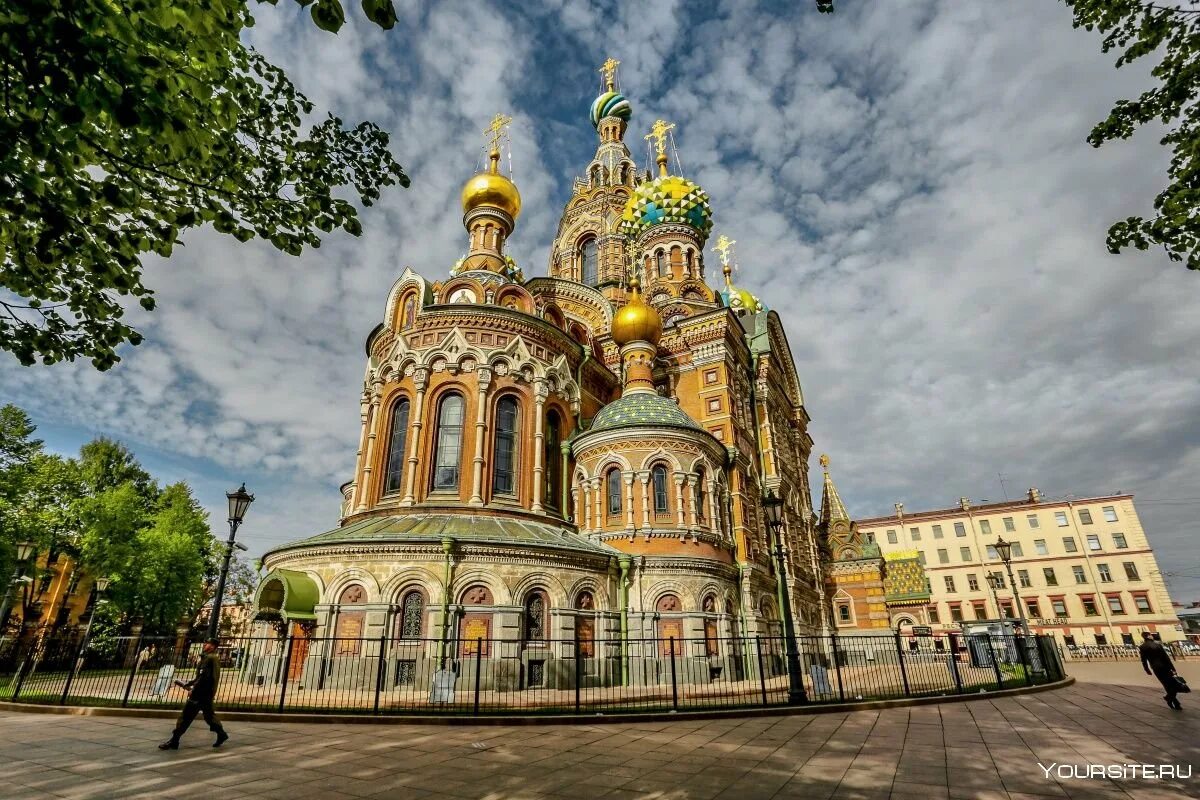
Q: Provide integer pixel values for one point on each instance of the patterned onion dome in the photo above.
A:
(642, 408)
(741, 300)
(667, 199)
(610, 104)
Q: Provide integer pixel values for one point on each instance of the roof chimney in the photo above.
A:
(1034, 495)
(899, 510)
(964, 503)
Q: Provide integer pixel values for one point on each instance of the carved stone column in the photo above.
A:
(628, 478)
(714, 520)
(415, 426)
(644, 477)
(359, 500)
(483, 378)
(690, 493)
(577, 508)
(540, 390)
(597, 483)
(679, 519)
(368, 486)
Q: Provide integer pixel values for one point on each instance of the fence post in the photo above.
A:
(903, 669)
(762, 674)
(380, 668)
(837, 665)
(578, 670)
(1025, 663)
(22, 672)
(78, 660)
(953, 656)
(995, 662)
(287, 668)
(137, 648)
(478, 670)
(674, 681)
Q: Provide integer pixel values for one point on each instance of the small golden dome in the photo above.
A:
(493, 190)
(635, 321)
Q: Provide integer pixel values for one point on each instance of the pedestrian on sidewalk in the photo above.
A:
(202, 691)
(1157, 662)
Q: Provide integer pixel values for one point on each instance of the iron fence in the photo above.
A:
(1179, 651)
(385, 675)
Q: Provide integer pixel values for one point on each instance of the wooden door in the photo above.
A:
(299, 652)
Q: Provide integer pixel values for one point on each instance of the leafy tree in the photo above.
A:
(125, 124)
(106, 464)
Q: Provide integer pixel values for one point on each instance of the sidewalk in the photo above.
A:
(983, 749)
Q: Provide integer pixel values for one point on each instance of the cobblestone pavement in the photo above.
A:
(985, 749)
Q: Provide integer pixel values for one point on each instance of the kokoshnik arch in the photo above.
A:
(576, 457)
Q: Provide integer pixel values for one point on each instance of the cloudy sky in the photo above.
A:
(909, 187)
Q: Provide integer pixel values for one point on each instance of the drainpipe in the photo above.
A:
(447, 547)
(624, 563)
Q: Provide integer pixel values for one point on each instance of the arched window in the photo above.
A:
(535, 617)
(410, 312)
(659, 476)
(349, 628)
(589, 261)
(613, 480)
(393, 479)
(700, 494)
(448, 443)
(504, 461)
(687, 262)
(412, 613)
(552, 458)
(843, 612)
(660, 264)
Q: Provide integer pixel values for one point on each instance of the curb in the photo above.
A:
(564, 719)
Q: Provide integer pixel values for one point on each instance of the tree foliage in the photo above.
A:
(125, 124)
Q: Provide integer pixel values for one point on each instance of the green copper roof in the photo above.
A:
(642, 408)
(433, 527)
(289, 594)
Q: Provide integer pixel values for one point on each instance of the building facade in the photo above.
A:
(579, 457)
(1085, 570)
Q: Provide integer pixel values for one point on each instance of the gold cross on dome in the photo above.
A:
(609, 70)
(825, 461)
(722, 247)
(495, 130)
(658, 132)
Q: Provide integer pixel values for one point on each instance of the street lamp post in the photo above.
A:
(773, 506)
(98, 588)
(24, 551)
(1004, 550)
(996, 582)
(239, 503)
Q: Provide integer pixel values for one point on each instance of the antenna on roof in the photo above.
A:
(1003, 488)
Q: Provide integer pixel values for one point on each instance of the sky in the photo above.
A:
(909, 186)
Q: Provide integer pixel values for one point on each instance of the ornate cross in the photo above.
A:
(825, 461)
(722, 247)
(495, 130)
(658, 132)
(609, 70)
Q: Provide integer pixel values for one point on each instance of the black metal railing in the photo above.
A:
(385, 675)
(1179, 651)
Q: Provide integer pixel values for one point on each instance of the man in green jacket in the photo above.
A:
(203, 690)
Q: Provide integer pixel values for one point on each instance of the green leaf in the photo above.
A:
(329, 15)
(381, 12)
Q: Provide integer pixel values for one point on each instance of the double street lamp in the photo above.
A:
(24, 552)
(773, 506)
(1004, 550)
(239, 503)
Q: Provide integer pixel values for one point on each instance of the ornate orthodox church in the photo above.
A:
(578, 457)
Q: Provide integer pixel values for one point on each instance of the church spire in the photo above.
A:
(491, 204)
(832, 508)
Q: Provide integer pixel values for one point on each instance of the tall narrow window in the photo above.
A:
(412, 607)
(552, 458)
(535, 617)
(410, 306)
(660, 264)
(614, 493)
(504, 466)
(394, 479)
(589, 262)
(449, 442)
(701, 492)
(659, 475)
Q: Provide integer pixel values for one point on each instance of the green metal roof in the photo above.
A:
(430, 527)
(289, 594)
(642, 409)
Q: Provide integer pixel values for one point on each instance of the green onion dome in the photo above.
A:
(667, 199)
(610, 104)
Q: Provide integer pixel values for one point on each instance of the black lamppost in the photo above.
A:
(239, 503)
(98, 588)
(1004, 550)
(774, 510)
(996, 582)
(24, 551)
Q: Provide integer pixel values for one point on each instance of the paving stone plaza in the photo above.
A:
(982, 749)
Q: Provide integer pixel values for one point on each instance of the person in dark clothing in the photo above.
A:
(1157, 662)
(203, 690)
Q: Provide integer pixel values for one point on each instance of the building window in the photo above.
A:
(700, 494)
(960, 529)
(949, 582)
(1008, 524)
(943, 555)
(1051, 578)
(1105, 575)
(1115, 605)
(412, 607)
(991, 552)
(892, 537)
(710, 376)
(921, 557)
(933, 614)
(1131, 571)
(1032, 606)
(1127, 639)
(998, 577)
(504, 467)
(1101, 640)
(1069, 544)
(448, 443)
(1006, 609)
(1142, 603)
(980, 610)
(937, 531)
(1093, 542)
(394, 474)
(1085, 516)
(915, 533)
(1017, 551)
(1110, 514)
(714, 404)
(1119, 541)
(659, 476)
(1039, 546)
(1023, 578)
(613, 480)
(1089, 607)
(1080, 576)
(985, 527)
(1032, 520)
(843, 612)
(973, 583)
(660, 265)
(871, 538)
(1061, 518)
(535, 617)
(956, 613)
(552, 458)
(1060, 607)
(589, 261)
(965, 552)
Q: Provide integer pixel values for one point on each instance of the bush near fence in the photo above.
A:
(386, 675)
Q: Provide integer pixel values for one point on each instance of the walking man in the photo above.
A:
(1156, 661)
(203, 689)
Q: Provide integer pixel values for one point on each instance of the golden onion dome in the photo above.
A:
(491, 190)
(635, 321)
